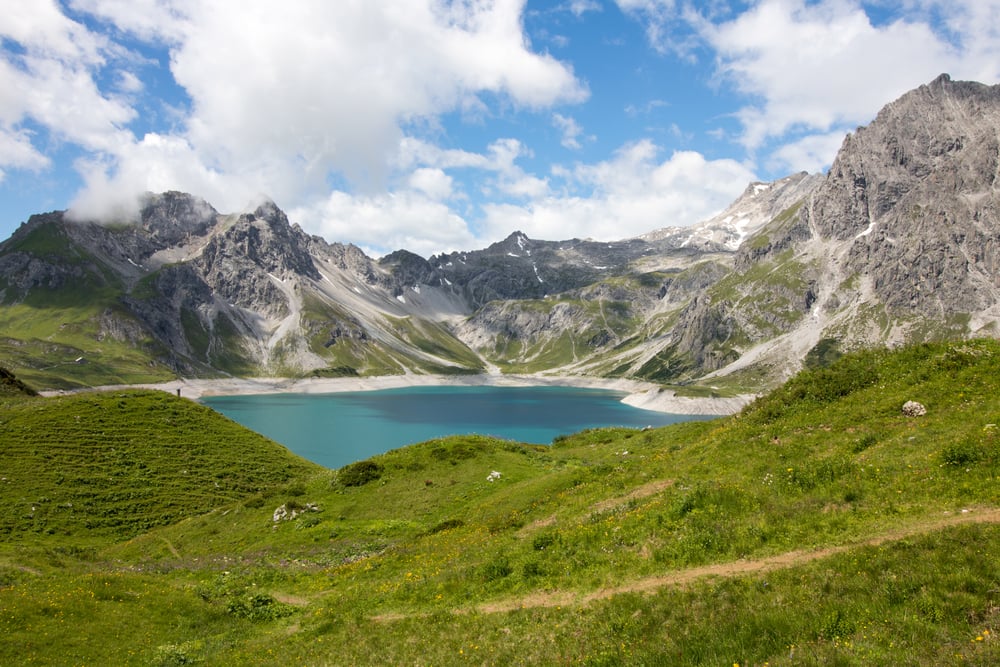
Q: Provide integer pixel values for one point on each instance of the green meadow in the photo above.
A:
(820, 526)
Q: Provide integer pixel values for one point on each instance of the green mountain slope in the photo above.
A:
(820, 526)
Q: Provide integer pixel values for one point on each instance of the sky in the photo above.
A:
(441, 125)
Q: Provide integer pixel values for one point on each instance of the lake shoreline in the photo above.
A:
(642, 395)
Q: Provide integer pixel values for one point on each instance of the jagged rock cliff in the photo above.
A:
(899, 242)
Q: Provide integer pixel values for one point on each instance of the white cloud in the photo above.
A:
(581, 7)
(812, 153)
(148, 19)
(324, 87)
(48, 83)
(657, 14)
(413, 151)
(524, 186)
(280, 98)
(129, 82)
(43, 31)
(570, 129)
(633, 192)
(155, 164)
(973, 27)
(16, 151)
(433, 182)
(821, 65)
(630, 194)
(386, 222)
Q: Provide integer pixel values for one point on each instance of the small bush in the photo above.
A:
(258, 607)
(254, 502)
(543, 542)
(532, 569)
(360, 473)
(179, 654)
(297, 489)
(963, 453)
(497, 569)
(824, 354)
(447, 524)
(837, 625)
(864, 443)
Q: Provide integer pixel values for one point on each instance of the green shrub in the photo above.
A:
(447, 524)
(297, 489)
(825, 353)
(360, 473)
(543, 542)
(864, 443)
(258, 607)
(963, 453)
(498, 568)
(837, 625)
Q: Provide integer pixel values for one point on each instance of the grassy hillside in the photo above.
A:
(114, 464)
(820, 526)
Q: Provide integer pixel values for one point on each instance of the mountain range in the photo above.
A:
(898, 242)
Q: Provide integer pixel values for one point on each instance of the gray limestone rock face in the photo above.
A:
(916, 194)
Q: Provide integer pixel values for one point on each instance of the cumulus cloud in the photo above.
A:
(155, 164)
(630, 194)
(570, 129)
(283, 98)
(381, 223)
(48, 84)
(823, 67)
(633, 192)
(434, 183)
(320, 86)
(817, 66)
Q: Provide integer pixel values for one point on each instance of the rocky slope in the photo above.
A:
(898, 242)
(204, 293)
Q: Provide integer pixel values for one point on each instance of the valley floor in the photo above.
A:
(643, 395)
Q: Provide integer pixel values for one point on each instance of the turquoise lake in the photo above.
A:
(336, 429)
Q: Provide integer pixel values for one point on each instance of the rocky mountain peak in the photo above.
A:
(266, 239)
(173, 216)
(759, 204)
(915, 197)
(516, 242)
(269, 211)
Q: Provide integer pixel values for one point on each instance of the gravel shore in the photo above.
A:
(644, 395)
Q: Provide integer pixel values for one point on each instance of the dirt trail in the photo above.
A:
(171, 547)
(734, 568)
(729, 569)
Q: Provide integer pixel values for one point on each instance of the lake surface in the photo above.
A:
(336, 429)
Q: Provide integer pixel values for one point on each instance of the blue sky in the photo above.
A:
(438, 125)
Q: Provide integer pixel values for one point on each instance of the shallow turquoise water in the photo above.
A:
(336, 429)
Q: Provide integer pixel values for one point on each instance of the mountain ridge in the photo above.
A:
(898, 242)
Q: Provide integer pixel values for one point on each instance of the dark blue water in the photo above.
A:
(336, 429)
